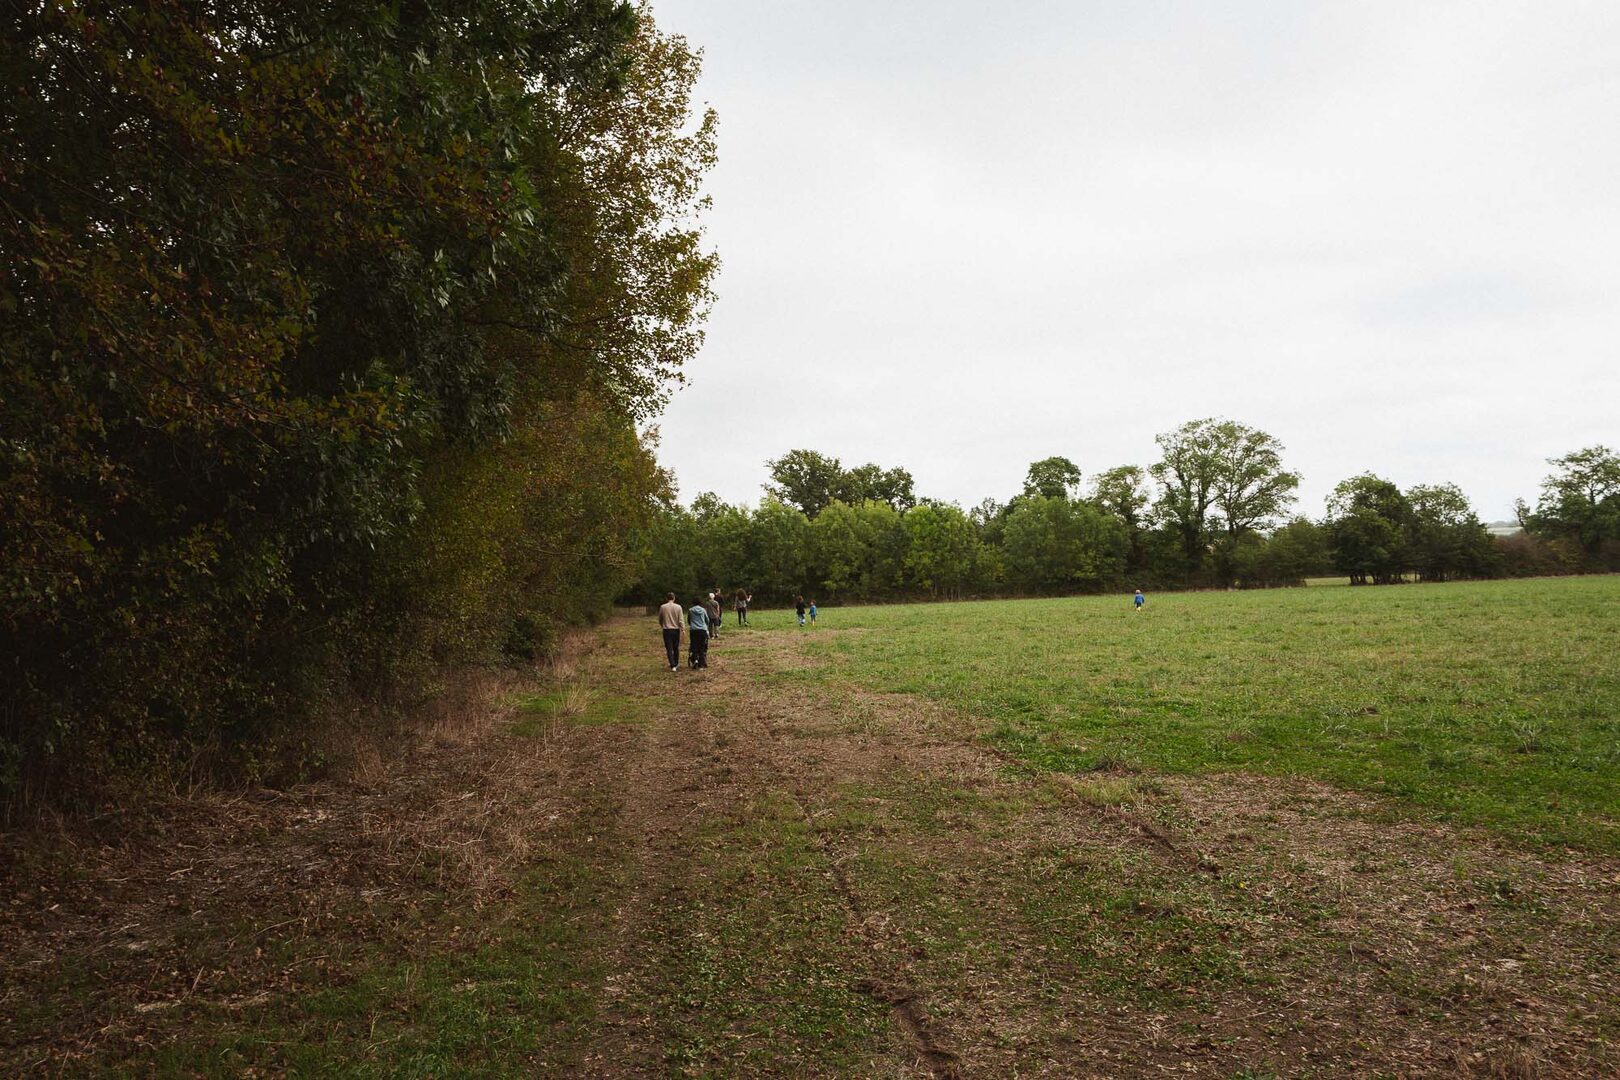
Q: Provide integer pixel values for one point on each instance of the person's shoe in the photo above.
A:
(674, 667)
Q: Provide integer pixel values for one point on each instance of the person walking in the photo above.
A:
(798, 608)
(697, 632)
(669, 620)
(1139, 601)
(742, 608)
(716, 609)
(812, 613)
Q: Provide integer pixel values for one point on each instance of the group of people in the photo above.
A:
(703, 620)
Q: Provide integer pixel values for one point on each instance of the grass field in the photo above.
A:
(1318, 832)
(1493, 703)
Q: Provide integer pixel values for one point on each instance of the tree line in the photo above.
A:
(1214, 511)
(326, 332)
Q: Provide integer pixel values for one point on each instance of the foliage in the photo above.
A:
(1379, 533)
(1447, 541)
(944, 553)
(1221, 488)
(300, 305)
(1580, 502)
(859, 552)
(1219, 476)
(1058, 544)
(1052, 478)
(1296, 551)
(810, 481)
(1123, 492)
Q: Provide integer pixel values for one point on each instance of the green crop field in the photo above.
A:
(1496, 703)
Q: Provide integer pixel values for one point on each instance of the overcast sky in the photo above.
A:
(959, 237)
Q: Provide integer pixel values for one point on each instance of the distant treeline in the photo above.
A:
(325, 334)
(1213, 512)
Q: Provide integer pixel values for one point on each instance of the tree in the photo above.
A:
(1219, 475)
(708, 506)
(1447, 539)
(841, 549)
(810, 481)
(1052, 478)
(805, 479)
(888, 542)
(944, 552)
(1252, 488)
(870, 482)
(1059, 544)
(988, 517)
(1294, 552)
(1581, 500)
(780, 537)
(1369, 523)
(301, 304)
(1123, 492)
(1187, 476)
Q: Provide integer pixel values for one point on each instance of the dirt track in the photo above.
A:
(770, 872)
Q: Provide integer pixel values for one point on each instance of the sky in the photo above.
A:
(960, 237)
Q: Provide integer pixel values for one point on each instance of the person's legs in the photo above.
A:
(700, 648)
(672, 648)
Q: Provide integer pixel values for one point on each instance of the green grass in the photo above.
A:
(1492, 703)
(754, 964)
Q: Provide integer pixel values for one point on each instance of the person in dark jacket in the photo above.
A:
(697, 632)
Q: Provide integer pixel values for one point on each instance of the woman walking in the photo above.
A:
(742, 607)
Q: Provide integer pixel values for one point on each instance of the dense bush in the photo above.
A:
(324, 334)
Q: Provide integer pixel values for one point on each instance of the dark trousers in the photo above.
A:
(672, 647)
(742, 616)
(700, 647)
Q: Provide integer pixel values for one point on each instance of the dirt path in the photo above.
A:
(762, 870)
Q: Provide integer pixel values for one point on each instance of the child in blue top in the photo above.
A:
(812, 611)
(1140, 600)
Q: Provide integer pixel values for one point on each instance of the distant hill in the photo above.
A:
(1503, 528)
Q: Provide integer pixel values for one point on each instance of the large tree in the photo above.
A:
(811, 480)
(280, 283)
(1369, 529)
(1123, 492)
(805, 479)
(1580, 500)
(1447, 540)
(1219, 476)
(1052, 478)
(872, 482)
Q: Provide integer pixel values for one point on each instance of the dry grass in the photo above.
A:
(572, 700)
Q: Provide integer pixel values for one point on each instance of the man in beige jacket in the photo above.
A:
(669, 620)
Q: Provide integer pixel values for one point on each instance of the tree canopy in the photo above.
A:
(1052, 478)
(298, 303)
